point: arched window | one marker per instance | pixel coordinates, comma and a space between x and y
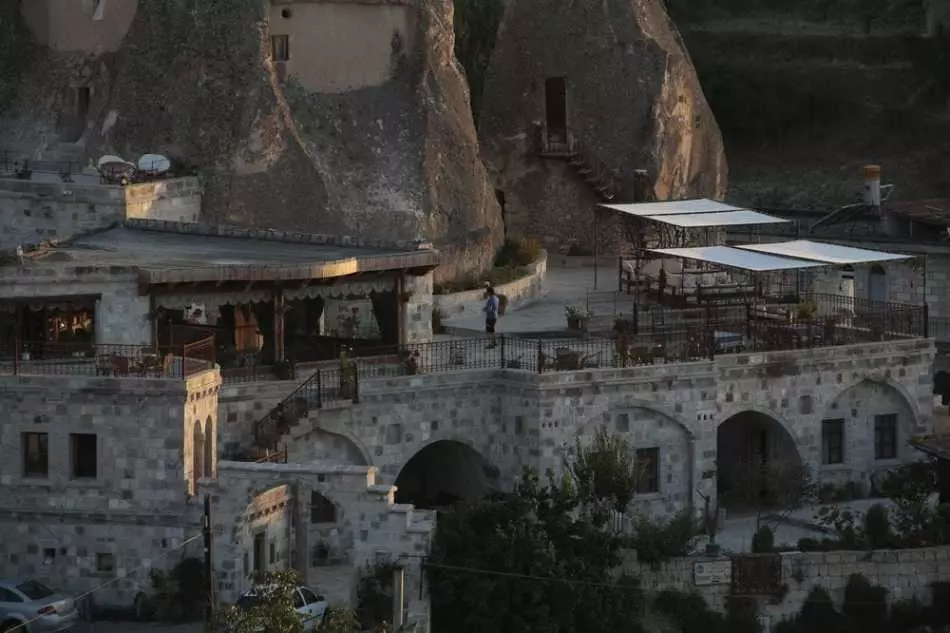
209, 438
197, 453
322, 509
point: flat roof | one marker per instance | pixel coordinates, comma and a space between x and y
725, 218
736, 258
823, 252
181, 257
673, 207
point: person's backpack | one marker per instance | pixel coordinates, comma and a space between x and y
502, 305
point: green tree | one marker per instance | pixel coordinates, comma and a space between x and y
604, 470
537, 559
476, 27
272, 610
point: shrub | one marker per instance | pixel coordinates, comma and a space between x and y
576, 250
764, 540
688, 610
865, 605
656, 542
517, 252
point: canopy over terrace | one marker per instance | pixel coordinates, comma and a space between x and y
824, 252
677, 224
723, 274
242, 281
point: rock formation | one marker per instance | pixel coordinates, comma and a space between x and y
578, 97
357, 122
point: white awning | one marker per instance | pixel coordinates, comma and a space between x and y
708, 220
822, 252
736, 258
674, 207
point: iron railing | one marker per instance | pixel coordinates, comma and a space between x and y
118, 361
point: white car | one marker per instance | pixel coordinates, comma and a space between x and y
311, 606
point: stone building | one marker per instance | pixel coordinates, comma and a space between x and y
330, 116
576, 104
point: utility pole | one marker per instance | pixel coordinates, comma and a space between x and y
209, 567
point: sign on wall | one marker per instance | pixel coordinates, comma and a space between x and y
718, 572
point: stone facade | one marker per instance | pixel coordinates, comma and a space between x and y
416, 306
122, 313
512, 418
905, 574
331, 523
33, 212
110, 498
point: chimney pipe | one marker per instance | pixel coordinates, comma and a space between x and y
872, 185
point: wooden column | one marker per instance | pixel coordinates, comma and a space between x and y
279, 312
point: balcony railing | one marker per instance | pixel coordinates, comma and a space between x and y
106, 360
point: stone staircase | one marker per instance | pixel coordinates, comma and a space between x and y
325, 387
598, 177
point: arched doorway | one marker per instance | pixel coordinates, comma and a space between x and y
877, 283
758, 465
442, 474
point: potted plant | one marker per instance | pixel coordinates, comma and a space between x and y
806, 310
576, 320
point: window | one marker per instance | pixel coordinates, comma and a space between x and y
623, 423
273, 552
308, 596
648, 470
298, 600
35, 454
322, 509
105, 563
209, 449
84, 455
832, 441
8, 596
34, 590
885, 436
280, 48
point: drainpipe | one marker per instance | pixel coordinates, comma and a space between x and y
693, 484
399, 596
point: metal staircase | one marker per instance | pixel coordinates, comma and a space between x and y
599, 178
326, 386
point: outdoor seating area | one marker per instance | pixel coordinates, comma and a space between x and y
117, 361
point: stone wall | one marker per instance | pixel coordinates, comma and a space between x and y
122, 314
331, 549
416, 306
906, 574
514, 418
120, 509
34, 212
519, 292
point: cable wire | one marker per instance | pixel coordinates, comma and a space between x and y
21, 628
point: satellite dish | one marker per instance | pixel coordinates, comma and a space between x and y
154, 164
109, 158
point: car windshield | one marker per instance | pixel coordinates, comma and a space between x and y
34, 590
246, 601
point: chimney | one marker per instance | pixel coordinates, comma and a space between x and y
872, 185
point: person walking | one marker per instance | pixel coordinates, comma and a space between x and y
491, 315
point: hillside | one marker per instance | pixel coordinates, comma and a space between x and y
805, 96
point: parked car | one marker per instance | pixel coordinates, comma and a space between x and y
29, 606
311, 606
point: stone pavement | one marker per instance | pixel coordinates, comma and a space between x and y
563, 287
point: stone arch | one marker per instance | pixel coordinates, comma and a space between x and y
758, 463
443, 472
331, 446
208, 455
876, 418
662, 446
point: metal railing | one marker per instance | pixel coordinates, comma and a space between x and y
107, 360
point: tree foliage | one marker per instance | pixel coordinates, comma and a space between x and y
538, 559
604, 470
273, 610
476, 27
